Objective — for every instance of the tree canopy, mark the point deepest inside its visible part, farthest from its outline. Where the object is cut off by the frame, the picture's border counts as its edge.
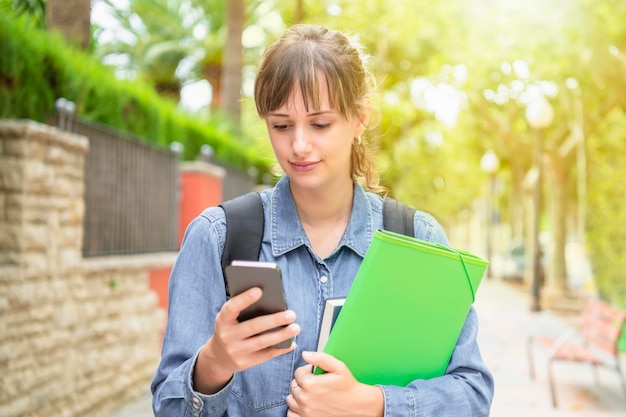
(454, 80)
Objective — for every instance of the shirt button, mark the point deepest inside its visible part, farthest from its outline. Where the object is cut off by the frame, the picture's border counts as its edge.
(197, 403)
(324, 279)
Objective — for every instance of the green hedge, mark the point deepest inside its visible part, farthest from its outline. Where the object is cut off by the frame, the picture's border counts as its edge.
(37, 67)
(606, 234)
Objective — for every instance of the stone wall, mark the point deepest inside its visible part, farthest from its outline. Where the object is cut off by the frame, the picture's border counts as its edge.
(78, 337)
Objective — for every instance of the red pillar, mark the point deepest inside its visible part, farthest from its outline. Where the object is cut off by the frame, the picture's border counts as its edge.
(159, 279)
(201, 187)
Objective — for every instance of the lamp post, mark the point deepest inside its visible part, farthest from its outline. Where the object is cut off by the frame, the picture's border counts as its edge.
(539, 115)
(490, 164)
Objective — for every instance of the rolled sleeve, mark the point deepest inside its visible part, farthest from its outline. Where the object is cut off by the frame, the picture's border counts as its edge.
(196, 293)
(203, 404)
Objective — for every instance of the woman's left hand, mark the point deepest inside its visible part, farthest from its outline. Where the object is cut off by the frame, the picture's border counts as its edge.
(335, 393)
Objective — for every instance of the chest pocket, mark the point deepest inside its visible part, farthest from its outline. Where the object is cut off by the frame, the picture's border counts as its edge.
(266, 385)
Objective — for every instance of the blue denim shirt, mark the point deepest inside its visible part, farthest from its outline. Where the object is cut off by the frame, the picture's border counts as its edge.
(196, 294)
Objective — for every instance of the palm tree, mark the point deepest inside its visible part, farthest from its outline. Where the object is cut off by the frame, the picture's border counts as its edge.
(210, 66)
(169, 42)
(36, 9)
(72, 18)
(233, 59)
(155, 40)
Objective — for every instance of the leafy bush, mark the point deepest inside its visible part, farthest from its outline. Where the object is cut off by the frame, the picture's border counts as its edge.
(37, 67)
(606, 239)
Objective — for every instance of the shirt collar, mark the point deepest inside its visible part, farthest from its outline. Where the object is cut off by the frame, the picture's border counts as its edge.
(287, 232)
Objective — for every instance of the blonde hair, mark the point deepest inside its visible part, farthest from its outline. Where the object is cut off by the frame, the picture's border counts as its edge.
(302, 52)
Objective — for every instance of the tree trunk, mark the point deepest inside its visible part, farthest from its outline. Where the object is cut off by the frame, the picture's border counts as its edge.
(516, 204)
(213, 74)
(299, 11)
(72, 18)
(233, 59)
(558, 178)
(169, 90)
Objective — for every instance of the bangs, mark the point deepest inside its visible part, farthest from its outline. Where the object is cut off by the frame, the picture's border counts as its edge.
(304, 63)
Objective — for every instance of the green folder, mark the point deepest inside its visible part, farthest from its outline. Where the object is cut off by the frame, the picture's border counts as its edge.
(405, 310)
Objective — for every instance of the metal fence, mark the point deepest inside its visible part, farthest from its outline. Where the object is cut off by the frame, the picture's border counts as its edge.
(131, 192)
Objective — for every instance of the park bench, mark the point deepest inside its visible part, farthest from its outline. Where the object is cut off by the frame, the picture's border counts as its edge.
(594, 341)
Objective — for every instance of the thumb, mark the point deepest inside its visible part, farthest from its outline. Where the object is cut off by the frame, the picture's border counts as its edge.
(325, 361)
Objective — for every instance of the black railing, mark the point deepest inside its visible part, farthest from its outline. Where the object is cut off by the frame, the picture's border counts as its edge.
(131, 192)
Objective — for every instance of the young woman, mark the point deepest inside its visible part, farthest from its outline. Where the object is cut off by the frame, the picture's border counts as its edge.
(312, 91)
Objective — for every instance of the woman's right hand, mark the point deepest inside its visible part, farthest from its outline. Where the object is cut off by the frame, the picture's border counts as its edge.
(236, 346)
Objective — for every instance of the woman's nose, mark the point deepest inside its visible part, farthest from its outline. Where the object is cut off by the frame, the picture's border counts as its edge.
(301, 144)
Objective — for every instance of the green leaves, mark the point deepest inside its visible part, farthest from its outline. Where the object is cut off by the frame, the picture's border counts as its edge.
(35, 10)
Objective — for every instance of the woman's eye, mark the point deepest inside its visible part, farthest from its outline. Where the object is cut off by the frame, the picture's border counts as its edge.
(321, 125)
(280, 127)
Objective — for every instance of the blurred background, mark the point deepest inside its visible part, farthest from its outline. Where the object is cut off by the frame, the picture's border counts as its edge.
(504, 119)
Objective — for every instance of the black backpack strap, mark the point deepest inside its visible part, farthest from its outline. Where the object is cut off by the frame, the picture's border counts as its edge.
(245, 222)
(398, 217)
(244, 229)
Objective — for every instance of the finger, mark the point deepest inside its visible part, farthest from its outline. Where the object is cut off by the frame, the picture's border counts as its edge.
(260, 334)
(292, 404)
(245, 355)
(281, 338)
(235, 305)
(269, 322)
(325, 361)
(294, 385)
(302, 374)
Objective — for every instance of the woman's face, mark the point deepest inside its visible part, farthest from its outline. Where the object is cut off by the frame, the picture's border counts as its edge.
(313, 147)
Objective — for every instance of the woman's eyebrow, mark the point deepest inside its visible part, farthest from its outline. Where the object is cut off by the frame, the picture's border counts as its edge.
(316, 113)
(322, 112)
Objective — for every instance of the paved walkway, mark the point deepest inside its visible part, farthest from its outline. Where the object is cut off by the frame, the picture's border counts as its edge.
(505, 323)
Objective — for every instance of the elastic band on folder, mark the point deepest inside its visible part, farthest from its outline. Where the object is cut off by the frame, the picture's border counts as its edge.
(467, 275)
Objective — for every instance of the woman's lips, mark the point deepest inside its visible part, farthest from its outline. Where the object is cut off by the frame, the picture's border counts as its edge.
(304, 166)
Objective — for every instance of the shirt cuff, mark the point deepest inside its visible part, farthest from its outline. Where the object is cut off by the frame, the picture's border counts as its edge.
(398, 400)
(206, 404)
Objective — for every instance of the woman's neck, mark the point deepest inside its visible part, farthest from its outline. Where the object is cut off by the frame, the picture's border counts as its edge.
(324, 215)
(319, 206)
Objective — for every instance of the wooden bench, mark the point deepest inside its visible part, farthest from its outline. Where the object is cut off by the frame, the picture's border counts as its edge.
(595, 341)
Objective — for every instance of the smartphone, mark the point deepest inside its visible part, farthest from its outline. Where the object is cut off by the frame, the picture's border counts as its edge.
(243, 275)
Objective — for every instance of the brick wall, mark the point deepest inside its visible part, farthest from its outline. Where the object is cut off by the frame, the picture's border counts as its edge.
(78, 337)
